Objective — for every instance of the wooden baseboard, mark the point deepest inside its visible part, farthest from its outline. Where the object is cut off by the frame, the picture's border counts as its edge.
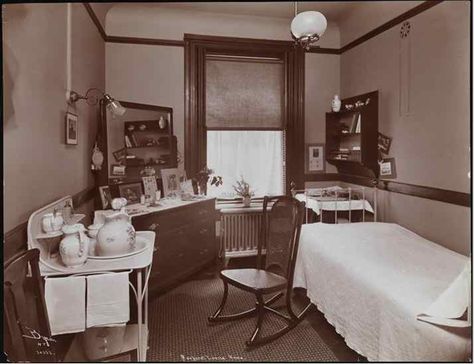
(16, 239)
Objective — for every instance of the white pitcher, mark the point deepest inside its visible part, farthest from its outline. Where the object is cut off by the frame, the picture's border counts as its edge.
(74, 246)
(117, 236)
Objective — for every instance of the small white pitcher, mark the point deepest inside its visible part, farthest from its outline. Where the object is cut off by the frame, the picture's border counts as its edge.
(74, 247)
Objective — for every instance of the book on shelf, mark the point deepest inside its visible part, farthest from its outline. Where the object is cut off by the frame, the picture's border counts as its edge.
(353, 123)
(357, 129)
(128, 144)
(356, 147)
(134, 140)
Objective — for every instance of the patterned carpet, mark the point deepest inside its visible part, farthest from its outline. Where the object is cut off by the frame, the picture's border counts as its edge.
(179, 330)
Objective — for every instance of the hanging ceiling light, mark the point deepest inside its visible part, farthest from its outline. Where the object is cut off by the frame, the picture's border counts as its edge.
(307, 27)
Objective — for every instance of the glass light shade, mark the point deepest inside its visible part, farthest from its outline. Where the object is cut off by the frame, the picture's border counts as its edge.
(308, 23)
(114, 106)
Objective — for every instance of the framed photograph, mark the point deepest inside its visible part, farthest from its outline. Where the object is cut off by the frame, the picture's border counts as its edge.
(120, 154)
(131, 191)
(172, 178)
(315, 161)
(387, 168)
(105, 197)
(384, 143)
(71, 129)
(117, 170)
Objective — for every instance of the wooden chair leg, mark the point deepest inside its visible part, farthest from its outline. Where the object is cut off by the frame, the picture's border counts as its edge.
(215, 317)
(260, 312)
(293, 320)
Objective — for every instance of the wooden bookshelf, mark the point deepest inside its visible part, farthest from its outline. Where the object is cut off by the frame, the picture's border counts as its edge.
(351, 136)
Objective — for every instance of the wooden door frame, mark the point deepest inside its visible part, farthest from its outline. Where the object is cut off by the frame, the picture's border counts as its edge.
(195, 49)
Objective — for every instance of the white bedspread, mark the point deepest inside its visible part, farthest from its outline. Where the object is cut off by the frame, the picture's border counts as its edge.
(371, 280)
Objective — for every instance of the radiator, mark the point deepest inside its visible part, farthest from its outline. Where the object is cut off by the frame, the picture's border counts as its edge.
(239, 233)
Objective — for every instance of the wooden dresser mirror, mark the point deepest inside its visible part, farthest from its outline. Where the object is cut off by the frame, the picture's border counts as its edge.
(141, 137)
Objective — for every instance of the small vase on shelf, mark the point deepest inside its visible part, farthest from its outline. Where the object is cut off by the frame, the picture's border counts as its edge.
(336, 103)
(246, 201)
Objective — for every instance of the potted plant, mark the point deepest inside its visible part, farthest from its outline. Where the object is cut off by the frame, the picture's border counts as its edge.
(242, 189)
(201, 179)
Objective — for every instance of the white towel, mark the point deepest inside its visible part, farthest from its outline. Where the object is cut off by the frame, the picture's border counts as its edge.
(66, 304)
(107, 299)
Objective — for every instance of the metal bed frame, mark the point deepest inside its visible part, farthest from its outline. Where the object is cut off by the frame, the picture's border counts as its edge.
(329, 194)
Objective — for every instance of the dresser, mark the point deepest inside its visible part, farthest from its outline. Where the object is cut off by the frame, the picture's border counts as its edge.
(185, 240)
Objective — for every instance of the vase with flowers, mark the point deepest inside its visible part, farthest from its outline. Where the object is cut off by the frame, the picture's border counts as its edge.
(201, 179)
(242, 189)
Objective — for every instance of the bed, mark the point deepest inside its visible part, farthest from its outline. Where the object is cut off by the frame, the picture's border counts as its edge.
(371, 280)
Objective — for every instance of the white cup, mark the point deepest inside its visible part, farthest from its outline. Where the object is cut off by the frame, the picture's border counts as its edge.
(157, 195)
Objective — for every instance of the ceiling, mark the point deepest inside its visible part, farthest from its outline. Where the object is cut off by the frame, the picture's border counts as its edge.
(331, 9)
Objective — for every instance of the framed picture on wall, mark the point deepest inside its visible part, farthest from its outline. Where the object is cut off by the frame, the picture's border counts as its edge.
(120, 154)
(105, 197)
(384, 143)
(387, 168)
(314, 158)
(117, 170)
(71, 129)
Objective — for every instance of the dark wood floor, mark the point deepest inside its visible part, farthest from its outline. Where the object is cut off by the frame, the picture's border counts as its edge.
(317, 320)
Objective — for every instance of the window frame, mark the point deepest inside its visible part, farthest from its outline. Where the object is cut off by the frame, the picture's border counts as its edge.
(196, 49)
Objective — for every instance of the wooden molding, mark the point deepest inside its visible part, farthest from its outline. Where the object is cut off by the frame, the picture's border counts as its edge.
(243, 41)
(390, 24)
(208, 38)
(146, 41)
(16, 239)
(95, 20)
(431, 193)
(322, 50)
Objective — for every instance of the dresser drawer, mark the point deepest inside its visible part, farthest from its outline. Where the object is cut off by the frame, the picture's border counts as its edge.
(166, 221)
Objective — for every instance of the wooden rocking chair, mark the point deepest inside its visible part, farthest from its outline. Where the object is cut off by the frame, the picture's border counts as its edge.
(278, 246)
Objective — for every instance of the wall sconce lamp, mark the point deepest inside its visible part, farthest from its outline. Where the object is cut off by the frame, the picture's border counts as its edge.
(94, 96)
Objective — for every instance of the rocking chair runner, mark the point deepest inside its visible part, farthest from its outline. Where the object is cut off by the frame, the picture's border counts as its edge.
(279, 238)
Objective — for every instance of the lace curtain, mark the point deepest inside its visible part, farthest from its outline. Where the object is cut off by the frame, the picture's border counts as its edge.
(257, 156)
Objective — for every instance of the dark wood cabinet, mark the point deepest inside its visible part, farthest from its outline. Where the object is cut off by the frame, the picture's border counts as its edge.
(352, 136)
(185, 241)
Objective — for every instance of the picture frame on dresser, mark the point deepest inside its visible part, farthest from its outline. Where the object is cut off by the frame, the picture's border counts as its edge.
(131, 191)
(172, 178)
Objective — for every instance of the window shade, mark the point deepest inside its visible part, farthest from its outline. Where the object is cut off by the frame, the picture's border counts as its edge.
(244, 94)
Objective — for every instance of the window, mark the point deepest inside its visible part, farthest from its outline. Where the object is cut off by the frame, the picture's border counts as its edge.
(257, 156)
(245, 123)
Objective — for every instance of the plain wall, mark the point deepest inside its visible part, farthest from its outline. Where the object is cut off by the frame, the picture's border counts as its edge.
(38, 166)
(155, 74)
(431, 141)
(322, 82)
